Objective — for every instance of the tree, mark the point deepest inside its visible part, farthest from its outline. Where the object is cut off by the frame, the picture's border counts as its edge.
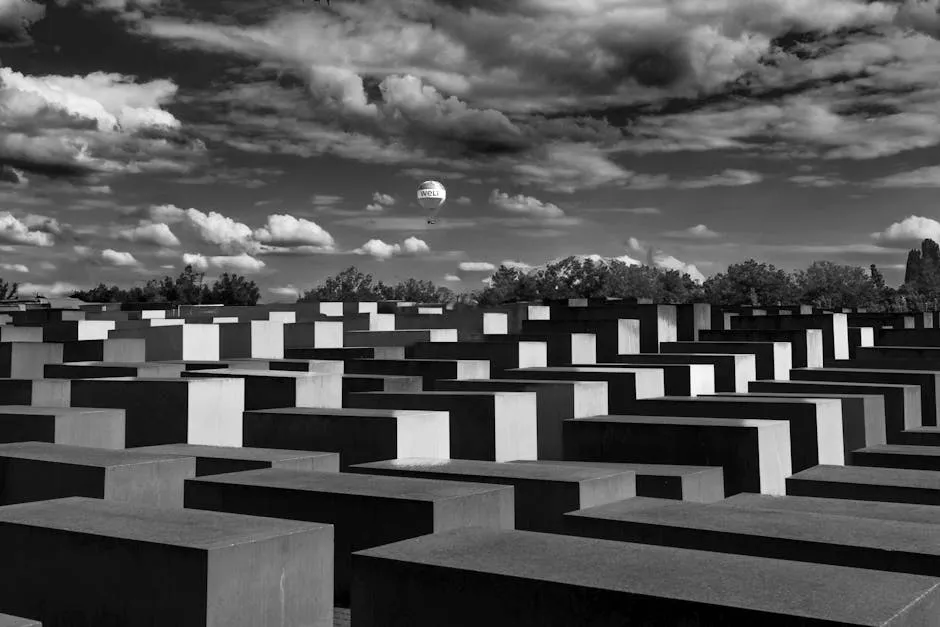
(416, 291)
(233, 289)
(508, 285)
(348, 285)
(8, 290)
(750, 283)
(827, 285)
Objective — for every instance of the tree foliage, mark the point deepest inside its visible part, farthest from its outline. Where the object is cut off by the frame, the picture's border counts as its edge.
(189, 288)
(8, 290)
(352, 284)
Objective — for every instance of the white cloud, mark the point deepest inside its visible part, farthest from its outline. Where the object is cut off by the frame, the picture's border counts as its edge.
(150, 233)
(928, 176)
(518, 265)
(119, 259)
(197, 261)
(378, 249)
(288, 291)
(699, 231)
(476, 266)
(325, 200)
(452, 278)
(462, 200)
(910, 230)
(380, 202)
(237, 263)
(59, 288)
(525, 205)
(284, 230)
(727, 178)
(415, 246)
(16, 16)
(14, 267)
(215, 228)
(167, 214)
(26, 232)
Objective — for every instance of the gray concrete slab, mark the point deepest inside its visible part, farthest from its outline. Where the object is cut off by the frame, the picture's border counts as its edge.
(217, 460)
(894, 485)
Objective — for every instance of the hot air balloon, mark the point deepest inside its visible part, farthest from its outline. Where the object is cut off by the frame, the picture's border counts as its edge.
(431, 196)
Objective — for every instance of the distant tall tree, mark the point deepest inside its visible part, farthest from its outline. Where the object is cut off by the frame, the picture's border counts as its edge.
(750, 283)
(416, 291)
(508, 285)
(8, 290)
(348, 285)
(829, 285)
(233, 289)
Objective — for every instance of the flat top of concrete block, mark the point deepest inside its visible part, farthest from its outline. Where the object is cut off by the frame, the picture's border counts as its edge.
(737, 400)
(791, 395)
(927, 514)
(346, 411)
(403, 488)
(807, 590)
(507, 470)
(190, 528)
(846, 384)
(902, 449)
(15, 621)
(612, 370)
(176, 380)
(735, 343)
(890, 535)
(872, 370)
(35, 410)
(230, 452)
(698, 421)
(429, 362)
(79, 455)
(452, 393)
(530, 382)
(901, 477)
(239, 373)
(121, 364)
(661, 470)
(666, 356)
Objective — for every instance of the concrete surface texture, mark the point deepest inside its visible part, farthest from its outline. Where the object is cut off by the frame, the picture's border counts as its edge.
(386, 464)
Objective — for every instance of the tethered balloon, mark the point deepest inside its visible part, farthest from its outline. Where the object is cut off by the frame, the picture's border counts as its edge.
(431, 196)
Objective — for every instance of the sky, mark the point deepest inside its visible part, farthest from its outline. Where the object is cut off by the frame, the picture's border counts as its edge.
(284, 139)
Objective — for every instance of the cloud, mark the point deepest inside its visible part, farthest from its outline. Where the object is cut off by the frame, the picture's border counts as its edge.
(909, 231)
(92, 125)
(518, 265)
(324, 200)
(286, 231)
(525, 205)
(452, 278)
(14, 267)
(242, 263)
(380, 202)
(167, 214)
(727, 178)
(476, 266)
(25, 232)
(415, 246)
(814, 180)
(699, 231)
(642, 211)
(462, 200)
(378, 249)
(214, 228)
(59, 288)
(119, 259)
(16, 16)
(153, 233)
(286, 291)
(928, 176)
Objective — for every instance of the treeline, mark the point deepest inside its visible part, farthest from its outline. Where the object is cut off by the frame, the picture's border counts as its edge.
(189, 288)
(823, 284)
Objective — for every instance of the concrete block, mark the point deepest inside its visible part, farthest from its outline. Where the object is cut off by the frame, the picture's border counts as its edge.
(475, 577)
(322, 366)
(358, 435)
(773, 360)
(869, 543)
(258, 339)
(353, 383)
(754, 454)
(858, 337)
(430, 370)
(815, 424)
(614, 337)
(26, 360)
(347, 353)
(128, 350)
(12, 333)
(218, 460)
(322, 334)
(77, 330)
(542, 493)
(900, 512)
(692, 318)
(834, 326)
(265, 389)
(170, 411)
(15, 621)
(489, 426)
(502, 354)
(102, 370)
(37, 392)
(902, 402)
(400, 337)
(657, 323)
(556, 401)
(624, 385)
(38, 471)
(698, 484)
(187, 342)
(365, 511)
(78, 426)
(893, 485)
(806, 345)
(678, 379)
(88, 563)
(732, 371)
